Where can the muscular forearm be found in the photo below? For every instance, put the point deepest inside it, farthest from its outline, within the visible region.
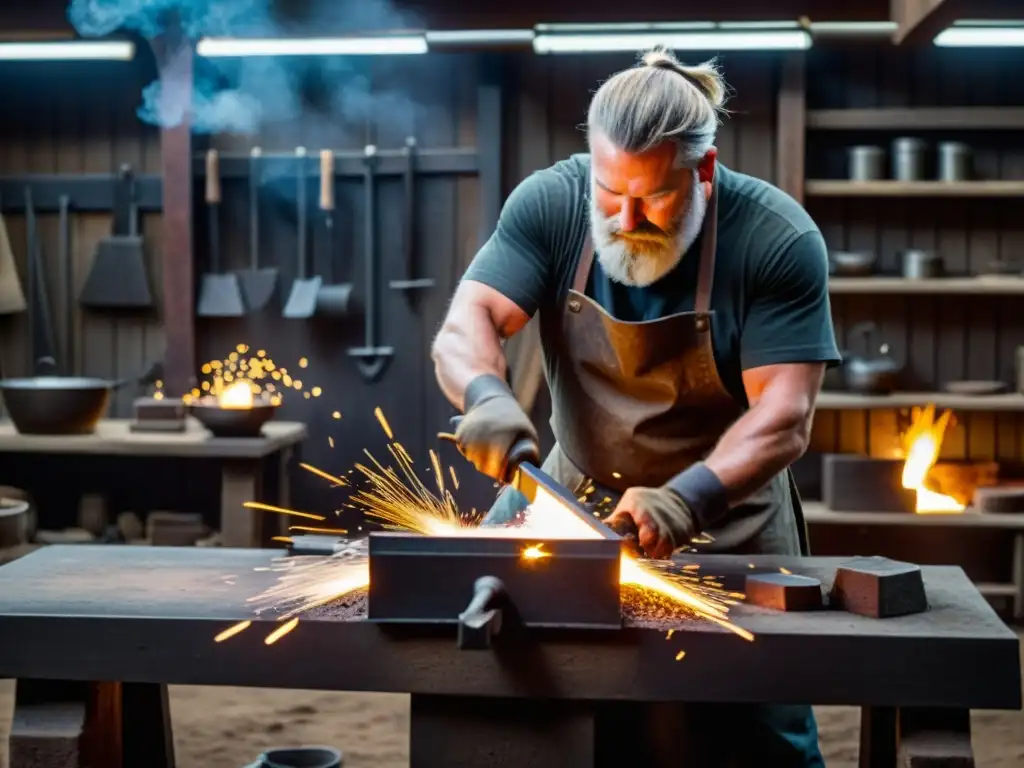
(764, 441)
(464, 350)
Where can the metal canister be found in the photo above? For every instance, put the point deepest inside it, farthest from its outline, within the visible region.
(954, 161)
(867, 163)
(908, 159)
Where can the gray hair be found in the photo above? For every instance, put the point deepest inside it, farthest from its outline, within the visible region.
(661, 99)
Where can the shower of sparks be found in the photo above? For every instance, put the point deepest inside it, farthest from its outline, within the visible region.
(325, 475)
(281, 631)
(395, 497)
(281, 510)
(264, 377)
(314, 529)
(680, 655)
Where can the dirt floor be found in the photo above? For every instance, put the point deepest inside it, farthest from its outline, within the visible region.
(229, 727)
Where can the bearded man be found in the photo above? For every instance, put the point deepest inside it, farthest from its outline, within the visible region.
(686, 327)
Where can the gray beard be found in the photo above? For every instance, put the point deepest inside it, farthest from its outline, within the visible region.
(640, 268)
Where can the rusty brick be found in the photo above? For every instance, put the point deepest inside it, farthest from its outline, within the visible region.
(879, 587)
(784, 591)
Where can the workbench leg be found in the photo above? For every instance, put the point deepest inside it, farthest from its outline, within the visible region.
(284, 488)
(62, 724)
(1018, 576)
(478, 732)
(935, 738)
(240, 482)
(877, 737)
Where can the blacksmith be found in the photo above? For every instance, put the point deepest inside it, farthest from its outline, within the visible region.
(686, 327)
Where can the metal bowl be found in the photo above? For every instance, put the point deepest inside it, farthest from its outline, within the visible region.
(56, 405)
(232, 422)
(14, 522)
(853, 263)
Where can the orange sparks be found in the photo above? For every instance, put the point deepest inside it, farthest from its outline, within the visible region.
(314, 529)
(281, 510)
(383, 423)
(535, 552)
(680, 655)
(455, 479)
(691, 567)
(281, 631)
(330, 441)
(786, 571)
(668, 635)
(325, 475)
(232, 631)
(285, 539)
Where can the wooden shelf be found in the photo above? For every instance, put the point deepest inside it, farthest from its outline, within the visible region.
(1006, 285)
(842, 188)
(918, 118)
(845, 401)
(816, 512)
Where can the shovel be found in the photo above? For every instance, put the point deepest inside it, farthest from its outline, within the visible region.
(411, 284)
(220, 294)
(334, 299)
(12, 296)
(117, 278)
(302, 300)
(258, 283)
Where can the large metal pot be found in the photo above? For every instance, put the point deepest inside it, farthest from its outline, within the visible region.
(871, 374)
(62, 405)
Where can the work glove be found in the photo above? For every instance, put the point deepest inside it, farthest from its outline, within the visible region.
(663, 520)
(494, 424)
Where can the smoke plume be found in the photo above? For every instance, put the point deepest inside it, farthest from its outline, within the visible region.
(241, 95)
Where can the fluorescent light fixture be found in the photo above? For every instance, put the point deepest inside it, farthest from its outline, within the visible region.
(853, 28)
(68, 50)
(981, 34)
(724, 40)
(220, 47)
(481, 37)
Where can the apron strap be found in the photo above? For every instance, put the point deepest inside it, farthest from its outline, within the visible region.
(583, 265)
(709, 244)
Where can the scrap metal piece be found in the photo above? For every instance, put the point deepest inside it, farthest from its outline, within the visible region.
(425, 579)
(879, 587)
(540, 488)
(315, 544)
(784, 591)
(481, 620)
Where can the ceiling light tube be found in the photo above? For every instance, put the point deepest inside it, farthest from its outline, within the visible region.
(68, 50)
(981, 36)
(221, 47)
(766, 40)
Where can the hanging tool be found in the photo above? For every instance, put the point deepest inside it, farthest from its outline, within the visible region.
(12, 296)
(370, 358)
(258, 283)
(117, 278)
(411, 284)
(43, 347)
(305, 290)
(220, 295)
(335, 299)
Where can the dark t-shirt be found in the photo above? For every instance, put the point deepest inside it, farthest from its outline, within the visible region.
(770, 294)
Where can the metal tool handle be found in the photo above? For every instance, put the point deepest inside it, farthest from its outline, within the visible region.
(481, 620)
(301, 204)
(326, 180)
(254, 207)
(212, 177)
(524, 451)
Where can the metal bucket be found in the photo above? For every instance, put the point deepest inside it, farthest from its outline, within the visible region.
(300, 757)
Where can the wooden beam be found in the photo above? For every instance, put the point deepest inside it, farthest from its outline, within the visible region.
(918, 21)
(791, 130)
(175, 58)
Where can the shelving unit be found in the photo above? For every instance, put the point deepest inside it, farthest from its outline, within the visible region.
(989, 285)
(917, 119)
(843, 188)
(1011, 402)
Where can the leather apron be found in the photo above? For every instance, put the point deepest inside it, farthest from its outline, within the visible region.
(635, 403)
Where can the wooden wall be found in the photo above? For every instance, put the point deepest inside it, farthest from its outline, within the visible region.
(939, 338)
(75, 118)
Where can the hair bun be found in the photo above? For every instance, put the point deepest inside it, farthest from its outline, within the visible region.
(705, 77)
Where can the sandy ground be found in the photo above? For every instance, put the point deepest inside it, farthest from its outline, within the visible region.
(229, 727)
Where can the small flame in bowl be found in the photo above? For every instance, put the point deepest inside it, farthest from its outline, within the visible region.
(237, 395)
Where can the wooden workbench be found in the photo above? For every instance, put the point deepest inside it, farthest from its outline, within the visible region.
(148, 616)
(241, 461)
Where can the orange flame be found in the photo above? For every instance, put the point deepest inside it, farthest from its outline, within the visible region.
(922, 444)
(236, 395)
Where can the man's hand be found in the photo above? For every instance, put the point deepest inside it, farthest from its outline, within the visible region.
(661, 516)
(488, 431)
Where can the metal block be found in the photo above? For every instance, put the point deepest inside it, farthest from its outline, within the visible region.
(784, 592)
(431, 579)
(864, 484)
(879, 587)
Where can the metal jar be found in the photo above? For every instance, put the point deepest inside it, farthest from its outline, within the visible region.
(908, 159)
(954, 161)
(867, 163)
(921, 265)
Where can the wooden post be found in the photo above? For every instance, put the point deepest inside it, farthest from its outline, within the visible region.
(791, 131)
(174, 55)
(918, 21)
